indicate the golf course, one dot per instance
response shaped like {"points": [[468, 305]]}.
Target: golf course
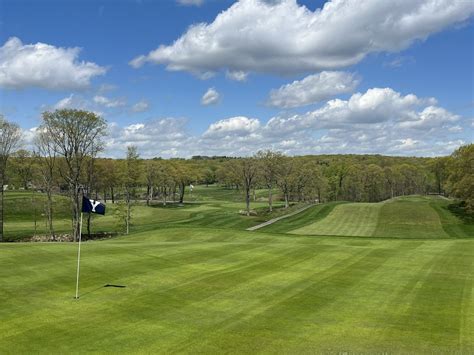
{"points": [[389, 277]]}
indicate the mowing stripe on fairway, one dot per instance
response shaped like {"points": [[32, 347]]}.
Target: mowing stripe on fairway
{"points": [[409, 217], [352, 219]]}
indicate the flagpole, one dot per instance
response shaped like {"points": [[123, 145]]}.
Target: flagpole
{"points": [[78, 259]]}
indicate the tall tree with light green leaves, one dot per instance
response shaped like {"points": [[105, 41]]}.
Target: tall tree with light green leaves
{"points": [[461, 175]]}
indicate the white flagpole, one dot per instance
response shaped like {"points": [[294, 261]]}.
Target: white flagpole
{"points": [[78, 259]]}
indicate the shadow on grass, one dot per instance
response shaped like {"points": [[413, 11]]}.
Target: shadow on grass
{"points": [[171, 205], [459, 210], [101, 287]]}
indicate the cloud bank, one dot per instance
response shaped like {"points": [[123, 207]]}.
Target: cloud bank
{"points": [[261, 36]]}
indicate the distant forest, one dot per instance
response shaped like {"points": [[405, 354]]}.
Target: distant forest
{"points": [[66, 160], [361, 178]]}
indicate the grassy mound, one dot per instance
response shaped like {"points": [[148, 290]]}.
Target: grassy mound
{"points": [[410, 217], [403, 217], [352, 219]]}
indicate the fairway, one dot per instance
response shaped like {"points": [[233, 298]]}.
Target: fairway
{"points": [[206, 291], [197, 282]]}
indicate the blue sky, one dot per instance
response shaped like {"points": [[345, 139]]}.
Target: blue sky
{"points": [[349, 77]]}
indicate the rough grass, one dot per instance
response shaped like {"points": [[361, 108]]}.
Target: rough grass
{"points": [[198, 290]]}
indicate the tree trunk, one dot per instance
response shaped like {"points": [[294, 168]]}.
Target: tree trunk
{"points": [[89, 215], [112, 194], [1, 207], [127, 219], [247, 200], [181, 193], [33, 200], [287, 204], [270, 198], [49, 212], [148, 188], [105, 195], [76, 210]]}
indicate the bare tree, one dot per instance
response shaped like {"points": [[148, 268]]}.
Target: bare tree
{"points": [[47, 158], [284, 179], [151, 174], [248, 172], [130, 180], [270, 163], [10, 135], [75, 135]]}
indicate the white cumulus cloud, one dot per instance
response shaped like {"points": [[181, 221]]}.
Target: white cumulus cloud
{"points": [[141, 106], [211, 97], [313, 88], [284, 37], [45, 66], [110, 103], [190, 2], [233, 126]]}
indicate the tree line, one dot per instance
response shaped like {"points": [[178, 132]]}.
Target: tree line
{"points": [[65, 159]]}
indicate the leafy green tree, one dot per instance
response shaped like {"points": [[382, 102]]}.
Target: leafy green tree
{"points": [[184, 174], [22, 160], [10, 134], [438, 166], [151, 176], [461, 175], [269, 165], [75, 135]]}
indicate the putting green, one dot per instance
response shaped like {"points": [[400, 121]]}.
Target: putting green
{"points": [[352, 219]]}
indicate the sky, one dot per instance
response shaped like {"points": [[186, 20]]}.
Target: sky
{"points": [[178, 78]]}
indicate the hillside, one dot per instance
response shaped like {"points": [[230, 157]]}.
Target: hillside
{"points": [[402, 217]]}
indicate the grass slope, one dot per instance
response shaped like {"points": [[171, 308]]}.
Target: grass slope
{"points": [[404, 217], [306, 217], [352, 219], [199, 290], [410, 217]]}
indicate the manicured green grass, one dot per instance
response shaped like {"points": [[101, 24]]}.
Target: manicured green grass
{"points": [[410, 217], [403, 217], [196, 282], [352, 219], [307, 217], [199, 290], [212, 207]]}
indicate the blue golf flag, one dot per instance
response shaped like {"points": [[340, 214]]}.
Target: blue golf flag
{"points": [[92, 206]]}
